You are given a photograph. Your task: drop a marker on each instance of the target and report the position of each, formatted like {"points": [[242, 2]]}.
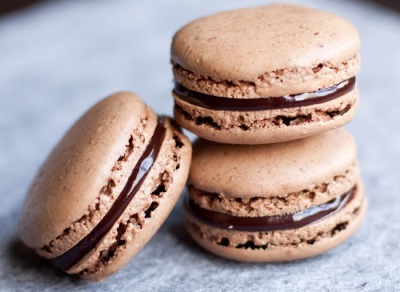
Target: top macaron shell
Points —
{"points": [[265, 52], [272, 170], [85, 174], [55, 187]]}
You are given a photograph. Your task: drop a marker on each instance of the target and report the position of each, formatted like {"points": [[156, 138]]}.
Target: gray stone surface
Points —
{"points": [[58, 58]]}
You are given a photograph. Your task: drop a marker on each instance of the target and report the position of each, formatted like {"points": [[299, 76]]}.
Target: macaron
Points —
{"points": [[264, 75], [274, 202], [106, 187]]}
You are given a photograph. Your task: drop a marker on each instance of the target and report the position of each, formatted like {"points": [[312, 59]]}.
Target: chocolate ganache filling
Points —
{"points": [[135, 180], [263, 103], [270, 223]]}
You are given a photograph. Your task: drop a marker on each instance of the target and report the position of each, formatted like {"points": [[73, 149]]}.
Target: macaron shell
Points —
{"points": [[287, 167], [291, 203], [69, 183], [169, 170], [271, 84], [286, 245], [259, 44], [118, 177], [263, 127]]}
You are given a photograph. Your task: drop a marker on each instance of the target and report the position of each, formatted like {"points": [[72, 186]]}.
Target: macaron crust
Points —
{"points": [[264, 75], [106, 187], [274, 202]]}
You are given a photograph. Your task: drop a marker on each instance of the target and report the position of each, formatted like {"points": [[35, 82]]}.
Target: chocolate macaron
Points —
{"points": [[106, 187], [263, 75], [275, 202]]}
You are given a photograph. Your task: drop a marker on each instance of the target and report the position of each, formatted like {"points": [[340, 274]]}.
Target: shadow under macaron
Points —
{"points": [[393, 5], [23, 266], [176, 227], [7, 7], [21, 256]]}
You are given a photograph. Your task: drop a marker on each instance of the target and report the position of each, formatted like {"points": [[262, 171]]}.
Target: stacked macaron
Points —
{"points": [[252, 78]]}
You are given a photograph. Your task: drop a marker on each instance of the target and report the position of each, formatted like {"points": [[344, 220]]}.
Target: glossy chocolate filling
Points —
{"points": [[138, 175], [270, 223], [263, 103]]}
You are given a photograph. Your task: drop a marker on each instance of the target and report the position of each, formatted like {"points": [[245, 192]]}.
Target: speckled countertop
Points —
{"points": [[59, 57]]}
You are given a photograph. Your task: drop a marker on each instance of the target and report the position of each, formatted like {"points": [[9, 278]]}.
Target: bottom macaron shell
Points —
{"points": [[285, 245], [270, 126], [133, 230]]}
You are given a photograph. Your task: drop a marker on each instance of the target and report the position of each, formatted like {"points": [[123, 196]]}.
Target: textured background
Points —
{"points": [[60, 57]]}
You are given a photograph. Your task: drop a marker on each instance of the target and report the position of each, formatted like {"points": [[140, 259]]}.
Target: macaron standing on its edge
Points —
{"points": [[275, 202], [106, 187], [264, 75]]}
